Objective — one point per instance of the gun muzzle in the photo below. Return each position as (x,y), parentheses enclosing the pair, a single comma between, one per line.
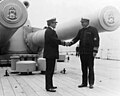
(13,15)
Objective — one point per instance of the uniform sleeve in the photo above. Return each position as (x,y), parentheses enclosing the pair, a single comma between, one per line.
(54,38)
(57,41)
(74,40)
(96,40)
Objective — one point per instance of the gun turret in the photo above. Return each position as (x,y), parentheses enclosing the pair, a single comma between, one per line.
(13,15)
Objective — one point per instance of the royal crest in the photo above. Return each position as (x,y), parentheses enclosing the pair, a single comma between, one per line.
(111,19)
(12,13)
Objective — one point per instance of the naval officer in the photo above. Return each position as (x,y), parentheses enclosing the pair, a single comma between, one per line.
(88,47)
(51,52)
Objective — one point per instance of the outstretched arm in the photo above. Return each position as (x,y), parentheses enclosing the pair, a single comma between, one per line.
(74,40)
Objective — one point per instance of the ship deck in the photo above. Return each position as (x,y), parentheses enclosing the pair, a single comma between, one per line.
(107,81)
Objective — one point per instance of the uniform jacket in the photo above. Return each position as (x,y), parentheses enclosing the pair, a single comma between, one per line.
(51,48)
(89,39)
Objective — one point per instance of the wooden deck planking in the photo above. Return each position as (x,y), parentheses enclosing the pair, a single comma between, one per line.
(1,88)
(41,82)
(67,88)
(105,92)
(7,89)
(36,85)
(16,87)
(73,86)
(109,80)
(107,77)
(28,90)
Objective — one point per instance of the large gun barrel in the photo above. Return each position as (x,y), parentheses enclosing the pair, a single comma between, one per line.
(13,15)
(105,20)
(108,19)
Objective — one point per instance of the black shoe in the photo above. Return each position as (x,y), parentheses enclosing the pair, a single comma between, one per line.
(82,85)
(51,90)
(54,87)
(91,87)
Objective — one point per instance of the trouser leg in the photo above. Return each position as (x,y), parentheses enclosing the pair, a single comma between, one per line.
(91,69)
(52,71)
(84,69)
(50,64)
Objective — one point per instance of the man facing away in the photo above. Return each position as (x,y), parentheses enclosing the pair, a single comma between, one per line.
(51,53)
(88,47)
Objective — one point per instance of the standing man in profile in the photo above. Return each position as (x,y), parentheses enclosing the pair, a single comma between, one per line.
(51,53)
(88,48)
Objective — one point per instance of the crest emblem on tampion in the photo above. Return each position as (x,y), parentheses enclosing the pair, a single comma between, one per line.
(12,13)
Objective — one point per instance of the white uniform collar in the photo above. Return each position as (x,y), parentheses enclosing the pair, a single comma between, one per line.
(51,27)
(87,26)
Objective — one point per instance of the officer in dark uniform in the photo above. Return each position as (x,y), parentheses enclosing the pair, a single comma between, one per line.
(88,48)
(51,52)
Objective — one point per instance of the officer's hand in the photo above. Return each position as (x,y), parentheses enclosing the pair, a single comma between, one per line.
(94,54)
(63,43)
(67,44)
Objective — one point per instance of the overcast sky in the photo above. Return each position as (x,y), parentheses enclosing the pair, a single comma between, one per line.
(42,10)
